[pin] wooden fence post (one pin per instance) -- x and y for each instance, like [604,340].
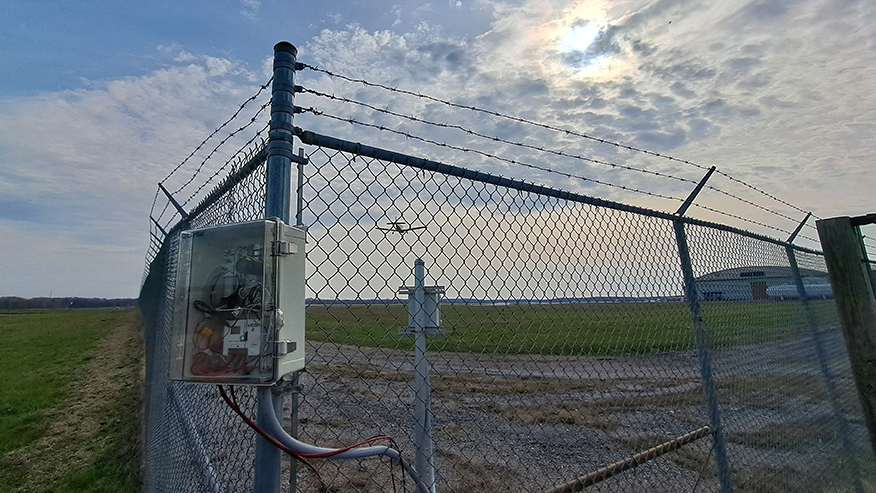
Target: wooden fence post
[853,291]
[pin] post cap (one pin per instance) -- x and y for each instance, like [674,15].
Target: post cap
[287,47]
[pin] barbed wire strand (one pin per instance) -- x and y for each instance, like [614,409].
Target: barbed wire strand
[317,112]
[542,149]
[552,128]
[235,156]
[496,139]
[251,98]
[220,144]
[484,153]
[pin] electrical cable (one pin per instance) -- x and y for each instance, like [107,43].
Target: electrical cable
[274,428]
[289,445]
[232,403]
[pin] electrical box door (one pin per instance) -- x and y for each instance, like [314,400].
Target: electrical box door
[239,304]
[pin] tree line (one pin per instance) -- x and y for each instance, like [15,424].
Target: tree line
[16,303]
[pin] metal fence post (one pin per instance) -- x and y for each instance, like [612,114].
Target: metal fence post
[699,333]
[423,320]
[821,356]
[296,377]
[705,360]
[277,204]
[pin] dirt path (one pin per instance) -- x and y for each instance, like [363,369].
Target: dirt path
[78,431]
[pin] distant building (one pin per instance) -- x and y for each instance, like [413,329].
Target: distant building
[761,283]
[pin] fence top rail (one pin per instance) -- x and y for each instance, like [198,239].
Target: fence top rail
[315,139]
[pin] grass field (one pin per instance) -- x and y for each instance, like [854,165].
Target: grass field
[70,383]
[568,329]
[70,380]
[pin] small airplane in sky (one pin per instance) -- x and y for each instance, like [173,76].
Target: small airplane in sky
[399,227]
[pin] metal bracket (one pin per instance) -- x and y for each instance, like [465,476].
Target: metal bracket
[690,198]
[429,331]
[158,226]
[864,220]
[298,159]
[799,227]
[173,201]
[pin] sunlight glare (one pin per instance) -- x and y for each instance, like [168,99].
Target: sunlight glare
[579,37]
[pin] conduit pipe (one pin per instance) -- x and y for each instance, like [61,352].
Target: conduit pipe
[271,425]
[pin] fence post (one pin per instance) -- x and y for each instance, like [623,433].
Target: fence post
[424,319]
[705,360]
[821,356]
[699,333]
[422,404]
[277,204]
[853,292]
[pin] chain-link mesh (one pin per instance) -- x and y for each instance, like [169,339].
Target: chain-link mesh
[567,345]
[567,341]
[194,442]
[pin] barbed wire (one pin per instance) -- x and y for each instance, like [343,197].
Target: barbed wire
[540,148]
[485,154]
[251,98]
[740,218]
[408,135]
[496,139]
[235,155]
[552,128]
[220,144]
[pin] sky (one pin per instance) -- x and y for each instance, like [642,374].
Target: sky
[100,100]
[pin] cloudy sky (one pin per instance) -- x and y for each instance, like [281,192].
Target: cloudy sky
[100,100]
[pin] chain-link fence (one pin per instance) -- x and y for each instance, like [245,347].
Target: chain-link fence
[575,336]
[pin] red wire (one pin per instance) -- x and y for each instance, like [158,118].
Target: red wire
[232,403]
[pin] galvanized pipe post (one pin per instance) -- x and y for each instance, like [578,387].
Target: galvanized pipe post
[422,387]
[705,360]
[277,204]
[699,333]
[296,377]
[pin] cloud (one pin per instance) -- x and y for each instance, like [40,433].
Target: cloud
[93,181]
[769,94]
[250,9]
[669,76]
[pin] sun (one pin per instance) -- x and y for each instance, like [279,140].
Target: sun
[579,37]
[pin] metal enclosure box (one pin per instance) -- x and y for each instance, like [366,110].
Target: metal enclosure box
[239,304]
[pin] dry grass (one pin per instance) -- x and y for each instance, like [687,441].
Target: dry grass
[93,437]
[472,383]
[772,392]
[797,435]
[568,413]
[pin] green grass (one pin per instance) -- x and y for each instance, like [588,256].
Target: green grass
[568,329]
[70,400]
[39,352]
